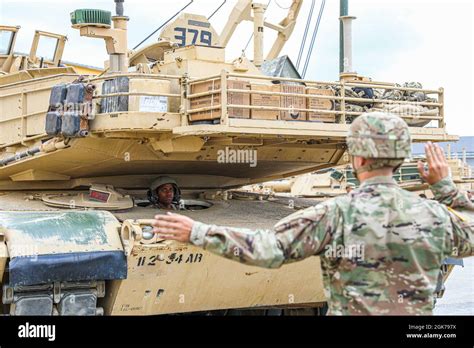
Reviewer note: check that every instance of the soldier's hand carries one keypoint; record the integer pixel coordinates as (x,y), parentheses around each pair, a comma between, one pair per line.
(438,167)
(173,227)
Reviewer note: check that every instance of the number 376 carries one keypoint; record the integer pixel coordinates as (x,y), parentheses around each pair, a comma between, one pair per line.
(205,37)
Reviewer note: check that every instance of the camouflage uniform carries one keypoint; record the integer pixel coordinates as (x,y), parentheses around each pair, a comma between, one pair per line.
(162,207)
(381,247)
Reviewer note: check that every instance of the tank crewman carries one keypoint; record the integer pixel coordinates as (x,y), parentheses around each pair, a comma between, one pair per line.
(164,193)
(381,247)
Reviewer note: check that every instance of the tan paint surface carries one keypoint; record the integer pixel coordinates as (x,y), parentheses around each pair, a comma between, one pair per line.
(195,280)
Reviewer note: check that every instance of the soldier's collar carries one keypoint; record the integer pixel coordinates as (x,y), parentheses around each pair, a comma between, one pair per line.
(377,180)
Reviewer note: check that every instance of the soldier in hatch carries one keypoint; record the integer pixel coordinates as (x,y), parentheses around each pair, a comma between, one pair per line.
(400,240)
(165,194)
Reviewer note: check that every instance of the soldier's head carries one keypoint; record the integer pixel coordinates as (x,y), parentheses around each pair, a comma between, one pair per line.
(164,192)
(378,141)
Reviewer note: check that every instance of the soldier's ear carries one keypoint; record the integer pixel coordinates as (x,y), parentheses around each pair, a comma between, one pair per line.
(150,197)
(358,161)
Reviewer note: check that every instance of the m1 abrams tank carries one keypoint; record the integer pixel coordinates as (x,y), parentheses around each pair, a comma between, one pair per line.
(79,152)
(336,181)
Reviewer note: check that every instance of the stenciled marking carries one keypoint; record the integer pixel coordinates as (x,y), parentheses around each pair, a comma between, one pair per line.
(172,258)
(204,36)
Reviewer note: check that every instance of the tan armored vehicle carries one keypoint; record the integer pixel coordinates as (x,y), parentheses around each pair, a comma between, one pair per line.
(335,181)
(79,152)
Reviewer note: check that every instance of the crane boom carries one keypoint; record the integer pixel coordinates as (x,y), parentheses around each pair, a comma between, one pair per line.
(243,12)
(285,29)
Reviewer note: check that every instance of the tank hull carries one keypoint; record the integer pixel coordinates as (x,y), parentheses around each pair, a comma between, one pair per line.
(169,277)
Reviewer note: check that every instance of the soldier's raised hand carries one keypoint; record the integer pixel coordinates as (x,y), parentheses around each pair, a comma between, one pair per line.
(438,167)
(173,226)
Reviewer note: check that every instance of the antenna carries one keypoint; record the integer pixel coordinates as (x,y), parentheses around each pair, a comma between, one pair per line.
(161,26)
(217,10)
(119,7)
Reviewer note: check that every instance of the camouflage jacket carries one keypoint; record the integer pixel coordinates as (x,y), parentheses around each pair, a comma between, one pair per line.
(381,247)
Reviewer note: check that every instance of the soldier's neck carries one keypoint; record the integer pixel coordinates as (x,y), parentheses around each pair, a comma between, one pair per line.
(165,206)
(373,173)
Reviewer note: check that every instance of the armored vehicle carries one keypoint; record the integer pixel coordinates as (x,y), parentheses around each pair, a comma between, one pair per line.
(79,151)
(332,182)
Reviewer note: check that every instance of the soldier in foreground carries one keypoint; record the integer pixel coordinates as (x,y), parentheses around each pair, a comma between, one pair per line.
(381,247)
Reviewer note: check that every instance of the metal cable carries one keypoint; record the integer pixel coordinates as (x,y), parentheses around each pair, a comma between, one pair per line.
(305,35)
(313,39)
(217,10)
(283,8)
(248,43)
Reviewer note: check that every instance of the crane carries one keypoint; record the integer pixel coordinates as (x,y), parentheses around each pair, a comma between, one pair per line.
(247,10)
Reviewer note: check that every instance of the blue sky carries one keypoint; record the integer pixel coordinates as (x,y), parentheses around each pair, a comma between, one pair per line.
(430,41)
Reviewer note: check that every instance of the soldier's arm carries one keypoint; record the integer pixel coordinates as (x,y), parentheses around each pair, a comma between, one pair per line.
(446,192)
(300,235)
(437,176)
(461,243)
(462,240)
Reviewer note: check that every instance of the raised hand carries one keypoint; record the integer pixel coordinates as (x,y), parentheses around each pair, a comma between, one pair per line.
(173,227)
(438,167)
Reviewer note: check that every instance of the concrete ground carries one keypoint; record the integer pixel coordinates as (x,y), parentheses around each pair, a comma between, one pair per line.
(458,298)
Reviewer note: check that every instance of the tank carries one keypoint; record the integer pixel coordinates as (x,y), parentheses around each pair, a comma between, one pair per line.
(80,148)
(335,181)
